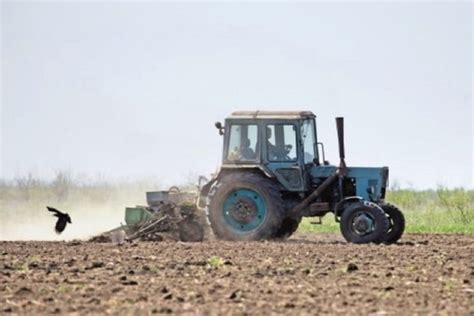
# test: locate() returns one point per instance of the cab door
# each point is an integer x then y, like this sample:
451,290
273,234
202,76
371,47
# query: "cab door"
282,153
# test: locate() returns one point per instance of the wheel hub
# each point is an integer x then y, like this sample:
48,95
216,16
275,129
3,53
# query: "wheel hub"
243,211
363,224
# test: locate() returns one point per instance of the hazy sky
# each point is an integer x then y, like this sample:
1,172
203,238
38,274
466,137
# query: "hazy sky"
126,90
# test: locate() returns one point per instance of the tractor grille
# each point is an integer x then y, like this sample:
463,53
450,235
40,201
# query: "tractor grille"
349,187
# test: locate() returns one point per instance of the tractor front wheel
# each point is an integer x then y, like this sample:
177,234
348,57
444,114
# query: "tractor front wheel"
364,222
397,223
245,206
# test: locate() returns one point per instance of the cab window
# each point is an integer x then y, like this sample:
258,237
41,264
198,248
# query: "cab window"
281,142
242,142
309,140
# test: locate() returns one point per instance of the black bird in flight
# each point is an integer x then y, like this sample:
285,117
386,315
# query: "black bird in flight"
63,219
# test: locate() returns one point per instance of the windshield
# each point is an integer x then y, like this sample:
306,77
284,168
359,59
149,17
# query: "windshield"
309,141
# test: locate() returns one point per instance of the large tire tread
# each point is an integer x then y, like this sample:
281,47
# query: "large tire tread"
397,223
287,228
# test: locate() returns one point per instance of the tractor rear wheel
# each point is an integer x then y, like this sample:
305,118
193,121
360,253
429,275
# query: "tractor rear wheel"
287,228
364,222
245,206
397,223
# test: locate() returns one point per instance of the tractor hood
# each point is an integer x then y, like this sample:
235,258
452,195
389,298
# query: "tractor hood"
371,182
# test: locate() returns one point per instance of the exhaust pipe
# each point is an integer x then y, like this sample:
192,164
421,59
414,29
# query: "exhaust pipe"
340,137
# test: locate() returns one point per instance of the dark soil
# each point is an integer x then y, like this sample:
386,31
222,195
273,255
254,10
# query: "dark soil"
308,274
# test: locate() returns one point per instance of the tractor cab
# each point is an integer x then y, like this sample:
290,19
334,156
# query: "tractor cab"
278,143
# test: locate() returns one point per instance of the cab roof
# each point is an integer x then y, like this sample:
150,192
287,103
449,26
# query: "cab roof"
272,114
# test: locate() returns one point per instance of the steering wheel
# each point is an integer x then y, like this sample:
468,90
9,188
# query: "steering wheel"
281,153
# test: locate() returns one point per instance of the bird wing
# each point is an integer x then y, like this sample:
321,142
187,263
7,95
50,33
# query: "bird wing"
51,209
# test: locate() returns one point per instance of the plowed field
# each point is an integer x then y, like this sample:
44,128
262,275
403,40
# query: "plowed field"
307,274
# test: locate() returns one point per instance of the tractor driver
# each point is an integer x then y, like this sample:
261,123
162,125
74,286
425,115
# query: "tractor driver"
246,153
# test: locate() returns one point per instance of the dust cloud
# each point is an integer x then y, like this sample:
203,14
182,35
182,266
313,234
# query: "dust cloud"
87,221
92,212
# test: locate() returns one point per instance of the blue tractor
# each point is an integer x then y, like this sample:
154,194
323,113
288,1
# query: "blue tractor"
274,173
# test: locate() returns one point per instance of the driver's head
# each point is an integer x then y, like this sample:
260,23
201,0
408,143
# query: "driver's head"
245,142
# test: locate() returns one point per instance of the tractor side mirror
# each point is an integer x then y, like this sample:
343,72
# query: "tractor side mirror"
220,127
